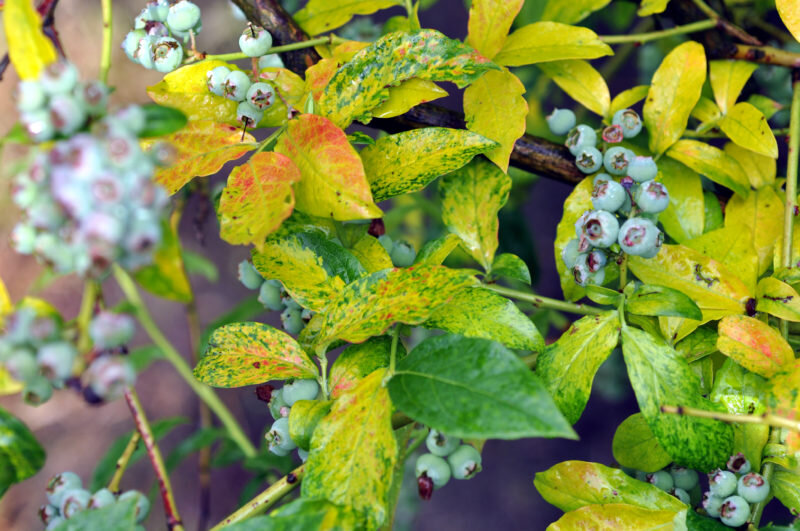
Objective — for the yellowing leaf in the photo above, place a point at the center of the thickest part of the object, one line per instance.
(706, 111)
(318, 75)
(748, 127)
(406, 95)
(408, 161)
(372, 255)
(489, 22)
(28, 48)
(571, 12)
(550, 41)
(726, 245)
(754, 345)
(783, 399)
(760, 169)
(345, 51)
(358, 361)
(8, 385)
(6, 306)
(166, 276)
(758, 218)
(778, 298)
(627, 98)
(257, 198)
(582, 82)
(333, 183)
(202, 149)
(353, 451)
(683, 219)
(651, 7)
(614, 516)
(494, 107)
(471, 199)
(711, 162)
(674, 91)
(728, 78)
(435, 252)
(319, 16)
(789, 11)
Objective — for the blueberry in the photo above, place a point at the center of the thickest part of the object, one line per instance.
(73, 502)
(56, 360)
(722, 483)
(236, 85)
(249, 275)
(435, 468)
(183, 16)
(142, 503)
(59, 77)
(37, 391)
(300, 390)
(157, 29)
(560, 121)
(629, 120)
(272, 60)
(110, 376)
(661, 479)
(601, 177)
(597, 278)
(21, 365)
(608, 195)
(109, 330)
(55, 522)
(132, 118)
(60, 484)
(652, 197)
(38, 124)
(580, 271)
(403, 254)
(93, 96)
(616, 160)
(47, 513)
(101, 498)
(734, 511)
(144, 52)
(712, 504)
(596, 260)
(440, 444)
(642, 169)
(640, 237)
(613, 134)
(261, 95)
(255, 41)
(277, 404)
(682, 495)
(570, 253)
(753, 487)
(30, 96)
(387, 243)
(738, 464)
(684, 478)
(167, 54)
(270, 296)
(248, 115)
(600, 228)
(215, 78)
(580, 137)
(292, 320)
(278, 437)
(589, 159)
(465, 462)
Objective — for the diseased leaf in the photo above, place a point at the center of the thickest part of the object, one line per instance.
(728, 78)
(635, 446)
(550, 41)
(319, 16)
(777, 298)
(737, 254)
(303, 514)
(435, 252)
(489, 22)
(782, 398)
(582, 82)
(29, 50)
(789, 12)
(627, 98)
(568, 366)
(571, 12)
(674, 91)
(304, 416)
(319, 74)
(481, 313)
(760, 169)
(618, 516)
(684, 217)
(202, 149)
(357, 361)
(252, 353)
(166, 276)
(754, 345)
(372, 255)
(495, 108)
(759, 219)
(471, 198)
(659, 300)
(406, 95)
(511, 266)
(333, 183)
(474, 388)
(353, 451)
(21, 455)
(408, 161)
(764, 104)
(747, 127)
(711, 162)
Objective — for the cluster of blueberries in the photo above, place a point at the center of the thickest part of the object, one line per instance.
(446, 458)
(280, 402)
(66, 497)
(272, 295)
(152, 42)
(110, 372)
(636, 195)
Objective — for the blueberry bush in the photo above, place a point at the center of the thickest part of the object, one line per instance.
(374, 223)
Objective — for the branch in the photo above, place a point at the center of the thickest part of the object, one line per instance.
(122, 462)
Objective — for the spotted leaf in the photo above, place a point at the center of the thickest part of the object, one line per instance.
(357, 361)
(754, 345)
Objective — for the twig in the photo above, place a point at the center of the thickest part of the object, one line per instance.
(105, 54)
(546, 302)
(139, 417)
(661, 34)
(731, 29)
(122, 462)
(766, 418)
(766, 55)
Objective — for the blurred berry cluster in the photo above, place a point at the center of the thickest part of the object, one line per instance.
(110, 372)
(401, 252)
(446, 458)
(152, 42)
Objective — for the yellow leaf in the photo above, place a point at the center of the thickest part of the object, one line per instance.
(652, 7)
(706, 111)
(8, 385)
(319, 16)
(683, 219)
(674, 91)
(754, 345)
(726, 245)
(582, 82)
(572, 11)
(777, 298)
(789, 10)
(616, 516)
(372, 255)
(627, 98)
(6, 306)
(408, 94)
(711, 162)
(748, 127)
(728, 78)
(759, 219)
(318, 75)
(494, 107)
(760, 169)
(345, 51)
(28, 48)
(550, 41)
(489, 22)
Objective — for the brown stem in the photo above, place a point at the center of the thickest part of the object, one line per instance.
(766, 55)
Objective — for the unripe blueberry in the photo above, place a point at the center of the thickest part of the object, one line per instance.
(589, 159)
(440, 444)
(272, 60)
(38, 124)
(580, 137)
(59, 484)
(601, 177)
(183, 16)
(21, 365)
(753, 487)
(255, 41)
(639, 236)
(661, 479)
(56, 359)
(684, 478)
(131, 43)
(248, 115)
(101, 498)
(261, 95)
(734, 511)
(292, 320)
(290, 303)
(277, 404)
(682, 495)
(73, 502)
(300, 390)
(30, 96)
(596, 260)
(570, 253)
(597, 278)
(249, 275)
(278, 437)
(465, 462)
(93, 96)
(652, 197)
(435, 468)
(159, 10)
(722, 483)
(580, 271)
(608, 195)
(306, 315)
(616, 160)
(167, 54)
(37, 391)
(59, 77)
(215, 78)
(142, 503)
(144, 52)
(110, 376)
(560, 121)
(642, 169)
(270, 296)
(613, 134)
(109, 330)
(187, 34)
(387, 243)
(738, 464)
(236, 85)
(600, 228)
(132, 118)
(302, 454)
(403, 254)
(47, 512)
(712, 504)
(629, 120)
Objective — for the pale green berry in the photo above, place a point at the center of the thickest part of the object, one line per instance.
(278, 437)
(249, 275)
(642, 169)
(560, 121)
(684, 478)
(661, 479)
(570, 253)
(580, 137)
(292, 320)
(59, 77)
(142, 503)
(73, 502)
(629, 120)
(215, 79)
(682, 495)
(21, 365)
(608, 195)
(403, 254)
(38, 124)
(56, 360)
(167, 54)
(589, 159)
(465, 462)
(37, 391)
(712, 504)
(30, 96)
(734, 511)
(300, 390)
(270, 296)
(248, 115)
(236, 85)
(255, 41)
(722, 483)
(59, 484)
(261, 96)
(753, 487)
(600, 228)
(441, 444)
(652, 197)
(739, 464)
(183, 16)
(101, 498)
(617, 159)
(639, 236)
(131, 43)
(435, 468)
(272, 60)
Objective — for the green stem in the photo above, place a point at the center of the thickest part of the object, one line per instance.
(545, 302)
(701, 25)
(204, 392)
(766, 471)
(393, 351)
(122, 462)
(330, 39)
(770, 420)
(90, 291)
(105, 54)
(271, 138)
(266, 499)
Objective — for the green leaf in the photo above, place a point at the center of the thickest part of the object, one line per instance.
(618, 516)
(353, 451)
(201, 438)
(471, 199)
(711, 162)
(166, 276)
(582, 82)
(699, 344)
(747, 127)
(713, 212)
(550, 41)
(197, 264)
(777, 298)
(764, 104)
(786, 487)
(674, 91)
(119, 516)
(357, 361)
(728, 78)
(570, 485)
(626, 99)
(684, 217)
(21, 455)
(361, 84)
(754, 345)
(571, 12)
(706, 111)
(660, 376)
(252, 353)
(474, 388)
(29, 50)
(408, 161)
(435, 252)
(760, 169)
(511, 266)
(489, 22)
(604, 296)
(304, 416)
(659, 300)
(759, 219)
(161, 120)
(652, 7)
(568, 366)
(478, 312)
(370, 305)
(320, 16)
(635, 446)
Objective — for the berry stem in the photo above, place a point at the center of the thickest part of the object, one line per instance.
(701, 25)
(204, 392)
(331, 39)
(266, 499)
(623, 269)
(267, 142)
(546, 302)
(137, 411)
(122, 462)
(771, 420)
(105, 53)
(91, 292)
(392, 354)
